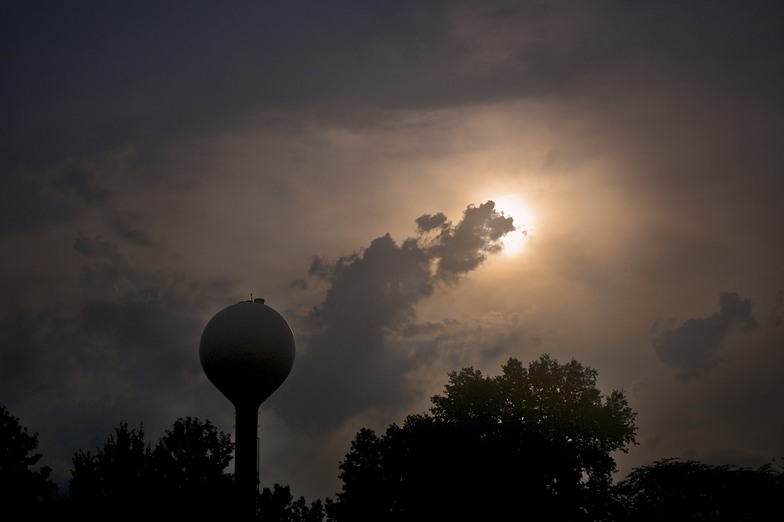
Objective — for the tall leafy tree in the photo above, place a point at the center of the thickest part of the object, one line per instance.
(116, 479)
(22, 487)
(184, 475)
(533, 441)
(189, 468)
(370, 487)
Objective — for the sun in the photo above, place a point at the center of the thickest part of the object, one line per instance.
(514, 206)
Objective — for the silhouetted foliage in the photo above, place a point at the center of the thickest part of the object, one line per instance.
(533, 441)
(116, 477)
(302, 512)
(22, 489)
(189, 466)
(689, 490)
(184, 475)
(278, 505)
(275, 504)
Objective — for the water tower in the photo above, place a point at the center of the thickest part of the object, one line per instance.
(247, 351)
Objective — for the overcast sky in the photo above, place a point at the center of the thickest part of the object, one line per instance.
(356, 164)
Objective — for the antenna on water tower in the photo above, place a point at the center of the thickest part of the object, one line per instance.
(247, 351)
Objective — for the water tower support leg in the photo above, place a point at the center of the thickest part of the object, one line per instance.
(245, 458)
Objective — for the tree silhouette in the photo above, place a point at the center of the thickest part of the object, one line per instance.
(184, 475)
(116, 478)
(690, 490)
(278, 505)
(275, 504)
(302, 512)
(22, 489)
(533, 441)
(189, 469)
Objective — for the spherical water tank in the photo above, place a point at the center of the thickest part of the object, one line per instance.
(247, 351)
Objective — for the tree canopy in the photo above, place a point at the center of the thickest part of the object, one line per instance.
(189, 465)
(22, 487)
(278, 505)
(184, 474)
(537, 439)
(689, 490)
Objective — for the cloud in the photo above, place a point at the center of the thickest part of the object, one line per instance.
(78, 181)
(127, 318)
(122, 348)
(93, 188)
(90, 181)
(23, 340)
(348, 362)
(428, 222)
(692, 348)
(464, 247)
(128, 226)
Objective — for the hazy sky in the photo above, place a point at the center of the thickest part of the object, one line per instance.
(163, 160)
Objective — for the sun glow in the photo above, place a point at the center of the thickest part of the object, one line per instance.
(512, 205)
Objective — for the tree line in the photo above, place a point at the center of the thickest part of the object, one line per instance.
(535, 441)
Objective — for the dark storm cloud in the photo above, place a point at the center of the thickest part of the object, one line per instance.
(128, 315)
(107, 271)
(80, 182)
(90, 186)
(347, 364)
(139, 312)
(23, 340)
(130, 226)
(33, 199)
(24, 207)
(419, 330)
(693, 347)
(122, 349)
(82, 80)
